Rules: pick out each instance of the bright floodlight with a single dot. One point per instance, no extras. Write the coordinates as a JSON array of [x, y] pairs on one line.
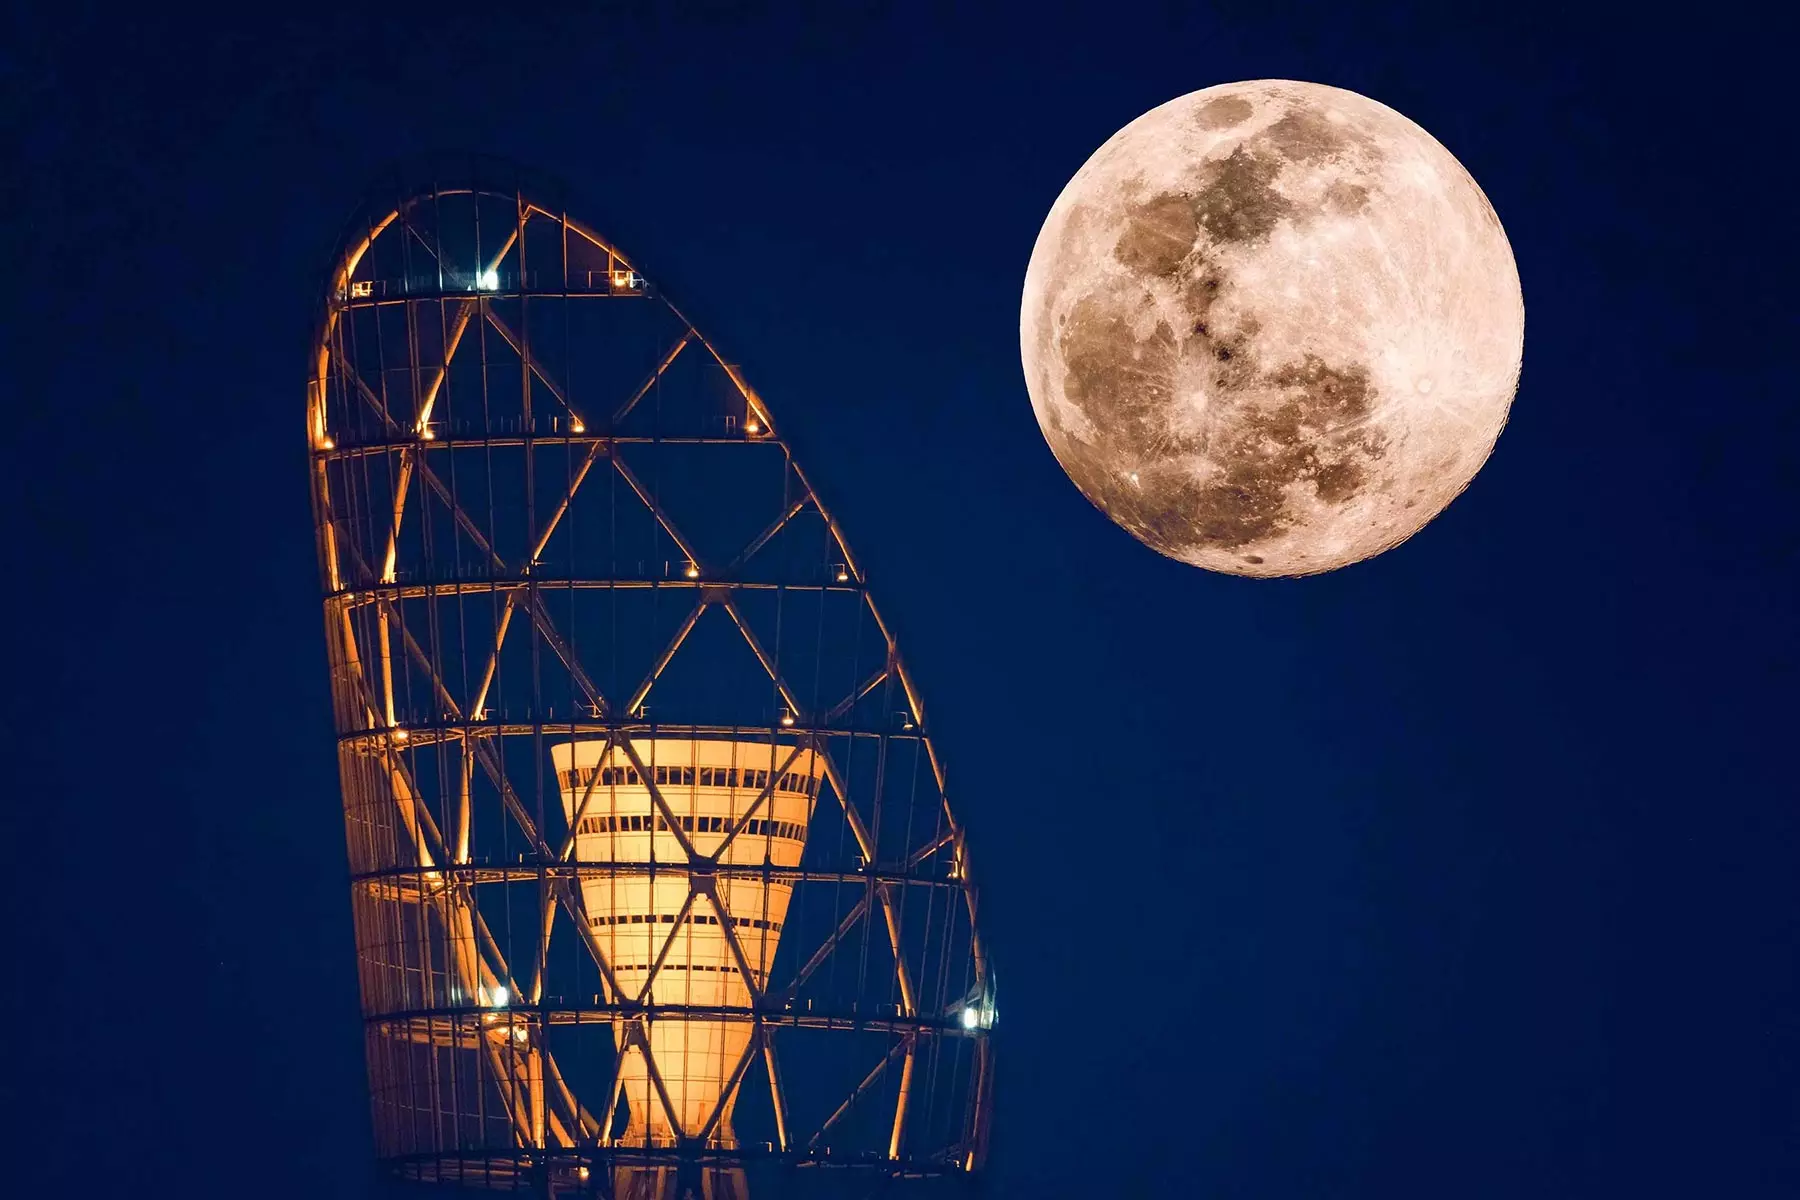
[[971, 1018], [488, 280], [500, 996]]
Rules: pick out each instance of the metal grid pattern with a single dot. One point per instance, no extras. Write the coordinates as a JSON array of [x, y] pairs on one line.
[[553, 520]]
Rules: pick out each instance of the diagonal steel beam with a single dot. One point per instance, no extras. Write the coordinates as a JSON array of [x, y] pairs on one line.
[[641, 1037], [562, 508], [479, 703], [777, 1092], [578, 918], [662, 660], [420, 238], [488, 967], [647, 777], [898, 1136], [426, 404], [598, 449], [643, 389], [547, 629], [762, 656], [547, 922], [496, 772], [575, 1114], [687, 906], [525, 356], [656, 510], [736, 947], [732, 1083], [612, 1100], [884, 892], [867, 1083], [743, 820], [465, 806], [402, 485], [462, 518], [465, 313], [849, 702], [587, 796], [825, 951], [930, 848], [375, 402], [484, 753], [762, 539]]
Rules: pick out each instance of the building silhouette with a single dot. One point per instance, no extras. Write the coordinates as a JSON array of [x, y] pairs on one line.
[[655, 886]]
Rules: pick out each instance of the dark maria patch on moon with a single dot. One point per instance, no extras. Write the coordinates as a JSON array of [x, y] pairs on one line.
[[1123, 386], [1304, 135], [1235, 202], [1344, 197], [1223, 113], [1158, 235], [1267, 430], [1265, 449]]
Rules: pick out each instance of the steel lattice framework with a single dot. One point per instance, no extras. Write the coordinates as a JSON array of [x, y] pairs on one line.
[[655, 884]]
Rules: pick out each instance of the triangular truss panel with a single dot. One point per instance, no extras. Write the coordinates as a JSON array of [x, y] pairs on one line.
[[657, 888]]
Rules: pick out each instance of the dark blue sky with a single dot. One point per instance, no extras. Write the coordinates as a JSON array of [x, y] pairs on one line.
[[1468, 871]]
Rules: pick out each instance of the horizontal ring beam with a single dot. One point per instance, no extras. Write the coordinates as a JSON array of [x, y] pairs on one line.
[[429, 733], [600, 1014], [392, 880]]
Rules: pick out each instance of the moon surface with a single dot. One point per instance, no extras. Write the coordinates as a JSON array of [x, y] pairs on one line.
[[1272, 328]]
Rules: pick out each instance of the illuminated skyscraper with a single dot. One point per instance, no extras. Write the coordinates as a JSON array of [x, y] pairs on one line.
[[656, 889]]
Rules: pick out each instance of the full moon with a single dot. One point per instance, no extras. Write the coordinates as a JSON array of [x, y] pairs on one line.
[[1272, 328]]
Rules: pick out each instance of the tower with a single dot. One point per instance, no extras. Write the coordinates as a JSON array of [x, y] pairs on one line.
[[656, 888]]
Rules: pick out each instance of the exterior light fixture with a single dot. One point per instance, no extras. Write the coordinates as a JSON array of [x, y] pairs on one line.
[[843, 576], [692, 572], [327, 444], [428, 434], [752, 427], [488, 281], [400, 735], [577, 427], [970, 1018], [787, 720], [501, 995]]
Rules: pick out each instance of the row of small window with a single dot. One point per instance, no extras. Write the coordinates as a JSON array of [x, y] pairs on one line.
[[722, 968], [796, 783], [641, 823], [692, 919]]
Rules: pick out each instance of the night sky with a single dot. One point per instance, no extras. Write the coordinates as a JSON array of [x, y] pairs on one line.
[[1467, 871]]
